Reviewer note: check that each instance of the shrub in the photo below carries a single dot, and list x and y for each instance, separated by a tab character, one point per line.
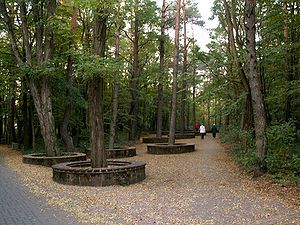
283	158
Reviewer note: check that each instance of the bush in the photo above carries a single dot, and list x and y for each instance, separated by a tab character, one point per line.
230	134
247	159
283	158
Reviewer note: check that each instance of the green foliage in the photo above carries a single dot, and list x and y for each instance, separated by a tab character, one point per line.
247	159
283	152
90	65
46	69
244	148
281	136
97	5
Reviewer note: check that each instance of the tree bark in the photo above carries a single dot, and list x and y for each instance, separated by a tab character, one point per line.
27	136
162	72
95	98
114	112
208	112
171	140
1	121
11	117
184	71
68	140
287	60
134	83
256	87
194	98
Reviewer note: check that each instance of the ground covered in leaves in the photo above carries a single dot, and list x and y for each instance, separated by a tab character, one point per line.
202	187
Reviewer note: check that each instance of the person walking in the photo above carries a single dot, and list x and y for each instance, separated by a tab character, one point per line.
214	130
202	131
197	126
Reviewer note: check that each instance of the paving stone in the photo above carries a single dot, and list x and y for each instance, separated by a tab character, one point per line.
19	207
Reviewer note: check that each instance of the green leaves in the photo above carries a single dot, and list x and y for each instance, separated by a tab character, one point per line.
90	65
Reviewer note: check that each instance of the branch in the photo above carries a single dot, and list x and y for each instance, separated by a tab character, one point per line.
25	32
11	34
49	31
122	57
127	35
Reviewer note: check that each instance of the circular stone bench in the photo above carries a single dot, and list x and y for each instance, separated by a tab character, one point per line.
117	173
165	139
42	159
165	132
120	152
155	140
185	136
170	149
116	152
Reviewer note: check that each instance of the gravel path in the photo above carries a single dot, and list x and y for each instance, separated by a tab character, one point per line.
202	187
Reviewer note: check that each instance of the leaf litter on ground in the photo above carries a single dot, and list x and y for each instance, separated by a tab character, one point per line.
202	187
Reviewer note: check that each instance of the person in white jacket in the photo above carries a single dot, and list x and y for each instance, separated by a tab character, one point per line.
202	131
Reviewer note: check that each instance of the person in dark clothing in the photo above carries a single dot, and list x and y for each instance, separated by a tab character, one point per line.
197	126
214	130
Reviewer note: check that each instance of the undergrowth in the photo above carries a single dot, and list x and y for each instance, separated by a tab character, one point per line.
283	151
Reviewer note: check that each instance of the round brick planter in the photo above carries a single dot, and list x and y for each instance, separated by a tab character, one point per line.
155	140
161	149
165	139
42	159
116	152
117	173
121	152
165	132
185	136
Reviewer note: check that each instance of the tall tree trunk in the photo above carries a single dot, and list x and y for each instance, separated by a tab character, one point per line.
114	113
162	71
194	88
27	142
247	119
208	112
1	120
175	72
95	98
194	98
256	87
68	107
43	51
134	83
287	59
67	139
43	106
11	118
32	124
42	100
184	71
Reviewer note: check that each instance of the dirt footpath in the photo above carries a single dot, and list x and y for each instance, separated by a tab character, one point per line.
202	187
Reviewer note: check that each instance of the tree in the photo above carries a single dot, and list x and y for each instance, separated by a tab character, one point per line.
34	59
162	71
69	105
134	83
255	87
114	113
175	72
95	95
184	72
